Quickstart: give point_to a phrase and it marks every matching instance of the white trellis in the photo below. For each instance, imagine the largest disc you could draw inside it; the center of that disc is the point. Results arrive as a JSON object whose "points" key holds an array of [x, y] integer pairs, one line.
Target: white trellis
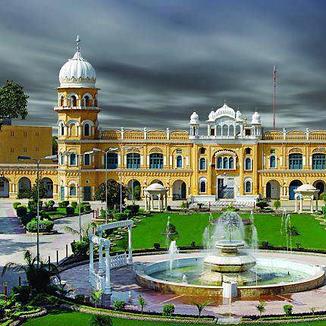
{"points": [[100, 279]]}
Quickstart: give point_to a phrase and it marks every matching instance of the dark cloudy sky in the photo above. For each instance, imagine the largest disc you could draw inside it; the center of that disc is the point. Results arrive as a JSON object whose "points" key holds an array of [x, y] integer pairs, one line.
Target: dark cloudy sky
{"points": [[158, 61]]}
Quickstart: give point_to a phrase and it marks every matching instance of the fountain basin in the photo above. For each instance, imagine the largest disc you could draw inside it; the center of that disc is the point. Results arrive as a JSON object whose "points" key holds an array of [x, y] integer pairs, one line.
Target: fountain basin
{"points": [[309, 277]]}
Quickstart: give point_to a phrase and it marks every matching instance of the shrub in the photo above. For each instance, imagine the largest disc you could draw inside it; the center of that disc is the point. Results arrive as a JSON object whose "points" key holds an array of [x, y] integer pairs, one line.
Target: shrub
{"points": [[102, 213], [74, 204], [262, 203], [21, 211], [156, 245], [64, 204], [43, 215], [79, 248], [277, 204], [292, 231], [16, 204], [118, 304], [80, 298], [127, 212], [323, 197], [27, 218], [168, 309], [324, 210], [134, 209], [22, 294], [44, 225], [49, 204], [120, 216], [101, 320], [288, 309], [193, 244], [87, 207], [265, 245], [81, 208], [70, 211]]}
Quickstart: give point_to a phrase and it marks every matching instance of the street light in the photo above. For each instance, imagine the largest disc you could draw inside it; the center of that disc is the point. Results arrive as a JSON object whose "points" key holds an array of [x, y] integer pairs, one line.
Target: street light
{"points": [[110, 150], [37, 161], [79, 159]]}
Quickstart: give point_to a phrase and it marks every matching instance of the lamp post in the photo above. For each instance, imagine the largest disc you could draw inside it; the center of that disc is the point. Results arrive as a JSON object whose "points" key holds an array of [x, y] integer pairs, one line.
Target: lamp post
{"points": [[37, 161], [79, 159], [110, 150]]}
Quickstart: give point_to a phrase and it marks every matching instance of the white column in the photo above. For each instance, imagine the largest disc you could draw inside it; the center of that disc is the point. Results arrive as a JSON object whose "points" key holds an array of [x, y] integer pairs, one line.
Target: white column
{"points": [[312, 204], [301, 204], [91, 258], [100, 257], [295, 204], [107, 289], [129, 245], [166, 201]]}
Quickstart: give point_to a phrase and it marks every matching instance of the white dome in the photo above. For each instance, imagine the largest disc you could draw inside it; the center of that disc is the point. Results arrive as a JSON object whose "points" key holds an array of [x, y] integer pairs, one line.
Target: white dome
{"points": [[255, 120], [155, 187], [224, 110], [211, 116], [77, 72], [238, 115], [194, 118], [306, 188]]}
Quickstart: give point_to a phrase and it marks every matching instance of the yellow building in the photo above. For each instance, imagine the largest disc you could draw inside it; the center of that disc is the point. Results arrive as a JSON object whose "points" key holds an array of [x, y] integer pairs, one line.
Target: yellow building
{"points": [[226, 157]]}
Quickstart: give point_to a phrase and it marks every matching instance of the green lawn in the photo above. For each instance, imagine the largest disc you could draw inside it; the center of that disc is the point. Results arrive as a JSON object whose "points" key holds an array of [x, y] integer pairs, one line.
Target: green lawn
{"points": [[312, 235], [82, 319]]}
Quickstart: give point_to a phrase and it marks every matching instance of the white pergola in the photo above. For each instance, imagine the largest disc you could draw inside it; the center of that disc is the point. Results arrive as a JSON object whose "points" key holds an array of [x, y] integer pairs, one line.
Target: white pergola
{"points": [[305, 192], [101, 279], [156, 192]]}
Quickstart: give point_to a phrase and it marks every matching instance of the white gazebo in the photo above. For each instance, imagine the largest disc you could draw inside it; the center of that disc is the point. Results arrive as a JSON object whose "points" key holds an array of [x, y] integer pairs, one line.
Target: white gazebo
{"points": [[156, 192], [305, 192]]}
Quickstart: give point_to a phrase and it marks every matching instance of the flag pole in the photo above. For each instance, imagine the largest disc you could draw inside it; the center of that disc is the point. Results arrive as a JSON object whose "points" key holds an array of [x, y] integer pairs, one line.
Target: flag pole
{"points": [[274, 96]]}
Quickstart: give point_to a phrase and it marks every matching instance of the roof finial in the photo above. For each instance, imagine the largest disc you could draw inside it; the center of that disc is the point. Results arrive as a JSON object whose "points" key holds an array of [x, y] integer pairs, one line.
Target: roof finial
{"points": [[77, 42]]}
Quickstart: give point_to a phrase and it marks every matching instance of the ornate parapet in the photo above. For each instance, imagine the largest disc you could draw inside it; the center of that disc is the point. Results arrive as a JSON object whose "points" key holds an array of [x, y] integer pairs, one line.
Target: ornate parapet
{"points": [[295, 135]]}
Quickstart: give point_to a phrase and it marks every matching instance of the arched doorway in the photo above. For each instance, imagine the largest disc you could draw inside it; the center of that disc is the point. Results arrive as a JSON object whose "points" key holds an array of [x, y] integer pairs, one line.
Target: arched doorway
{"points": [[4, 187], [24, 187], [134, 190], [272, 190], [293, 186], [179, 190], [47, 185], [320, 185]]}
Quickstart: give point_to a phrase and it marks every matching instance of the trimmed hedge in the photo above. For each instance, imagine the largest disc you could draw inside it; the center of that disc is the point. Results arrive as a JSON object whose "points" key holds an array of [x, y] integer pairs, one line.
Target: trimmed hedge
{"points": [[44, 226]]}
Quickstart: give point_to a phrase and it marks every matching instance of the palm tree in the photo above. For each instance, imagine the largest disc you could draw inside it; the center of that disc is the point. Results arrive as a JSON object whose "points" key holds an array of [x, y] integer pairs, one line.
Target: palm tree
{"points": [[261, 307], [201, 306], [96, 297], [141, 302], [38, 275]]}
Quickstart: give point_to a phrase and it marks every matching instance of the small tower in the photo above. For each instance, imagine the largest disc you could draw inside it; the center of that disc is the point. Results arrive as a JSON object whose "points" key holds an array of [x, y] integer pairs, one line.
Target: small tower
{"points": [[77, 99], [256, 125], [194, 126]]}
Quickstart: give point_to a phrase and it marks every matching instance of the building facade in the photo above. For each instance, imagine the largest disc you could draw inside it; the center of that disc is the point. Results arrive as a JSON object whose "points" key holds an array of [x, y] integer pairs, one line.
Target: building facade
{"points": [[224, 157]]}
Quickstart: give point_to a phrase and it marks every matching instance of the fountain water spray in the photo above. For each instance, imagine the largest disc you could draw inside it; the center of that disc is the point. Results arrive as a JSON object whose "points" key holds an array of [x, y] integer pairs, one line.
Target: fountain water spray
{"points": [[173, 251]]}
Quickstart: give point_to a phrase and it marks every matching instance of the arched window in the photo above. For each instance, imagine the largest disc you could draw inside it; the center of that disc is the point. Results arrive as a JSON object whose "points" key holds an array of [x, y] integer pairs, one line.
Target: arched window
{"points": [[218, 131], [72, 190], [202, 185], [95, 101], [62, 100], [179, 161], [247, 186], [272, 161], [202, 163], [220, 162], [61, 159], [225, 130], [225, 162], [133, 161], [111, 161], [87, 129], [86, 100], [156, 161], [73, 159], [319, 161], [295, 161], [231, 131], [73, 100], [248, 164], [87, 159], [231, 163], [61, 129]]}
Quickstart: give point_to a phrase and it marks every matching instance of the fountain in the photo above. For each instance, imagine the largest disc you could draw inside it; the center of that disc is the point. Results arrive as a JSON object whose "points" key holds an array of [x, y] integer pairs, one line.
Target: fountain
{"points": [[230, 256]]}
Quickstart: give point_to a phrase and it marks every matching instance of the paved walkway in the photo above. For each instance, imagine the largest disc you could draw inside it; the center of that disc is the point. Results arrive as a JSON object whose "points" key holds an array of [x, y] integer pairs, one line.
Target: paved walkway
{"points": [[125, 287], [13, 242]]}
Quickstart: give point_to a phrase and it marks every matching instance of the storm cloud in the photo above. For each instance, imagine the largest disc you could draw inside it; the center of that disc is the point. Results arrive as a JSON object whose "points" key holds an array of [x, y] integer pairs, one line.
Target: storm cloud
{"points": [[158, 61]]}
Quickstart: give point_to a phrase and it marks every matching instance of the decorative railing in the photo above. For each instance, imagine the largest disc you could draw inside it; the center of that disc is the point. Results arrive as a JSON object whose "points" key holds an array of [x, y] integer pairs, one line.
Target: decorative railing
{"points": [[119, 260], [136, 134], [295, 135]]}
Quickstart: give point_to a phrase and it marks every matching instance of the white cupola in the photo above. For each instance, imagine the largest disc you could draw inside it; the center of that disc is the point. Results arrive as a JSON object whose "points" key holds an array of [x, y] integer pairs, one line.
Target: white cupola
{"points": [[77, 72], [255, 120], [194, 119]]}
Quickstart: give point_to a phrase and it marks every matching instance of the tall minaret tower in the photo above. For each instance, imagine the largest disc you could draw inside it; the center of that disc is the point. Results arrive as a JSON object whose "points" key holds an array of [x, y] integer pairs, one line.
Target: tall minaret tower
{"points": [[77, 99]]}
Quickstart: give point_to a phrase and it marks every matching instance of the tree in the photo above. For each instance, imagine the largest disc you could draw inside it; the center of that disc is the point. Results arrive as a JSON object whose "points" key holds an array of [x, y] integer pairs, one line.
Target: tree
{"points": [[201, 306], [113, 191], [100, 320], [13, 101], [288, 309], [96, 297], [54, 145], [261, 307], [38, 277], [141, 302]]}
